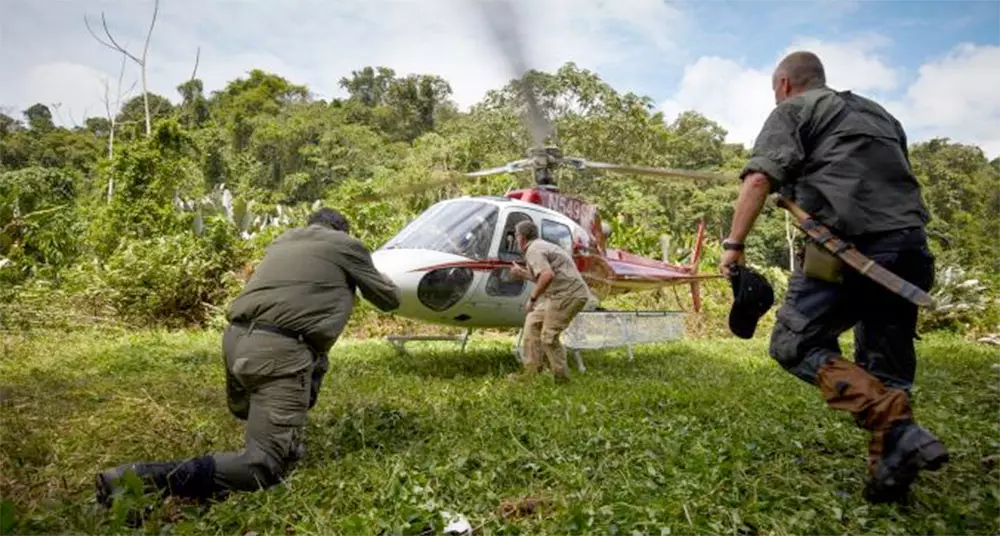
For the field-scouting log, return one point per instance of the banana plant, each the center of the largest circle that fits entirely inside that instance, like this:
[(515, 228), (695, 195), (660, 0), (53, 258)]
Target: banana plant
[(238, 211)]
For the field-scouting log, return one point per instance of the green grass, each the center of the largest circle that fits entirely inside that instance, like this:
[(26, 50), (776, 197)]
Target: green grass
[(696, 437)]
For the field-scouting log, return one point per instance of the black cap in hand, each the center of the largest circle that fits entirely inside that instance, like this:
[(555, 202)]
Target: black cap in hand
[(752, 297)]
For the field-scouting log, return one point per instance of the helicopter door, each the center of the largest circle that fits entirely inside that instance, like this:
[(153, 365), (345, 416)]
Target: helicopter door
[(500, 282)]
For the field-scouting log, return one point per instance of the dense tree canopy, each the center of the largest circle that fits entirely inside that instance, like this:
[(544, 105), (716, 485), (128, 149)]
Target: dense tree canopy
[(72, 212)]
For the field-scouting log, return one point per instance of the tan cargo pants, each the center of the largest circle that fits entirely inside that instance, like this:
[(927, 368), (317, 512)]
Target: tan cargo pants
[(542, 328)]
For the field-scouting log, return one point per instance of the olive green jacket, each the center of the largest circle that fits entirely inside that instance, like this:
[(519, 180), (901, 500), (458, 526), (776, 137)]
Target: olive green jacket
[(307, 282)]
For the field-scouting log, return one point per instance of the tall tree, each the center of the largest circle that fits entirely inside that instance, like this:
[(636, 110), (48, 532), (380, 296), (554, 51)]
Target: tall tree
[(39, 118), (369, 86)]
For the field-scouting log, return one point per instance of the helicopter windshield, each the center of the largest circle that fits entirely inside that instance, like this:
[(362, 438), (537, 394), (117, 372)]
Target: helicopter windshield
[(459, 227)]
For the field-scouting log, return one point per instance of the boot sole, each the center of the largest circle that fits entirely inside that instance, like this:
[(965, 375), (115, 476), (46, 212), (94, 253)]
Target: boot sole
[(103, 490), (893, 484)]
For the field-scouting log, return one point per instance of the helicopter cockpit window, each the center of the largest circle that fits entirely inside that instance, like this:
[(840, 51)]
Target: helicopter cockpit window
[(460, 227), (558, 234), (509, 250)]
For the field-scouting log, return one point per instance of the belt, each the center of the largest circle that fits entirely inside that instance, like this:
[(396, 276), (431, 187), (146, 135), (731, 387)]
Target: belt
[(291, 334)]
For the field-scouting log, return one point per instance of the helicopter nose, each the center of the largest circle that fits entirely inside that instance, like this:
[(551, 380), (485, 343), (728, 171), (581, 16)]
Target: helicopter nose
[(423, 289)]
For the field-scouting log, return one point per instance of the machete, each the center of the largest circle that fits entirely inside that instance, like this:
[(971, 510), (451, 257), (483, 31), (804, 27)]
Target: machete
[(847, 252)]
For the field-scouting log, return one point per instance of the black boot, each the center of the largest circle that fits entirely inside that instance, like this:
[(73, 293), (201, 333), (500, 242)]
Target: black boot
[(909, 449), (189, 479)]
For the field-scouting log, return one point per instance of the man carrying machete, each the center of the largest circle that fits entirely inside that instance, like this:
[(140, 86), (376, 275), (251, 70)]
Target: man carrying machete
[(844, 159)]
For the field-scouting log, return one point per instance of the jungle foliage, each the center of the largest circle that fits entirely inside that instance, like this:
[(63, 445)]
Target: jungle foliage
[(155, 230)]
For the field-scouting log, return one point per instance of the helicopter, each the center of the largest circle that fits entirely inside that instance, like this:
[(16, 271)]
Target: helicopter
[(452, 263)]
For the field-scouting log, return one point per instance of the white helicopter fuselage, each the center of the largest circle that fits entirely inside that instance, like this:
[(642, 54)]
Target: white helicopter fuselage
[(452, 262)]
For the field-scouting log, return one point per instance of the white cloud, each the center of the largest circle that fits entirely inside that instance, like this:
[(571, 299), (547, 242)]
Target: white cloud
[(853, 65), (316, 43), (725, 91), (739, 96), (957, 96), (72, 91)]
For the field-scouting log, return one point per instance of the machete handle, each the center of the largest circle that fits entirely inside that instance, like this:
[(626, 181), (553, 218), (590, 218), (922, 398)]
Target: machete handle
[(790, 206), (853, 258)]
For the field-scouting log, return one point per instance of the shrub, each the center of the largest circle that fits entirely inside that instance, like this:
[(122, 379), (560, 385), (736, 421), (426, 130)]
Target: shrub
[(171, 280), (38, 223)]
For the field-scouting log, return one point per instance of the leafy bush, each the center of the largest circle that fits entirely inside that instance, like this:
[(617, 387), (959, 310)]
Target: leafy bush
[(173, 280), (38, 223)]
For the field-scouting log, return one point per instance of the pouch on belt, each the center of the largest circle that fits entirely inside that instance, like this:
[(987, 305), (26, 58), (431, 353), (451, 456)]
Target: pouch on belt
[(820, 264)]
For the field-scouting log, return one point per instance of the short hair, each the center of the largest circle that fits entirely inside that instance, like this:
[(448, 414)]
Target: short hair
[(803, 69), (330, 218), (527, 229)]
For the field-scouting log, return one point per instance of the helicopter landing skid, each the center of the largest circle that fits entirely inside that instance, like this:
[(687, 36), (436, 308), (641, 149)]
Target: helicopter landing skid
[(399, 341)]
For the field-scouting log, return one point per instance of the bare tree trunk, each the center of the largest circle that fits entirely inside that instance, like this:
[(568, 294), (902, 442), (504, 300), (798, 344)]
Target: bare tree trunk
[(197, 57), (791, 243), (145, 49), (113, 118), (140, 62)]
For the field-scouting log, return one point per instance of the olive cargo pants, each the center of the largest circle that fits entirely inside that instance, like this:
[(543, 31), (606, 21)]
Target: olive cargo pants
[(542, 328), (270, 383)]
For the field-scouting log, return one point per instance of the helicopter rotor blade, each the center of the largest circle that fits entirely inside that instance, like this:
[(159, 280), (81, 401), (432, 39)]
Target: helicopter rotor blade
[(580, 163), (446, 178), (510, 167), (504, 25)]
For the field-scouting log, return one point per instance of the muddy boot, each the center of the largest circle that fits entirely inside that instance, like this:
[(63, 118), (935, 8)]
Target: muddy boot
[(894, 452), (909, 449), (189, 479)]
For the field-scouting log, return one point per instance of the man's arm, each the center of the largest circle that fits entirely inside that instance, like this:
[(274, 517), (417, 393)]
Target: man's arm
[(753, 194), (776, 159), (540, 266), (374, 286), (542, 284)]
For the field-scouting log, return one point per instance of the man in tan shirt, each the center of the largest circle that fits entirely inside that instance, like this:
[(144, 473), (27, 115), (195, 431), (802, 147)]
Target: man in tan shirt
[(560, 293)]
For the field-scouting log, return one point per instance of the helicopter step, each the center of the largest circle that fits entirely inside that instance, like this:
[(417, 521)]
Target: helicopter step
[(399, 341)]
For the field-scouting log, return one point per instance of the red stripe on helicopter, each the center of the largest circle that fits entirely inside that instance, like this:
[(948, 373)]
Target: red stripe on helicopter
[(619, 270), (487, 265)]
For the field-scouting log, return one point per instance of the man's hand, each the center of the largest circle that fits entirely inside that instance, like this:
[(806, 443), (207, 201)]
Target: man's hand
[(519, 272), (729, 258), (529, 306)]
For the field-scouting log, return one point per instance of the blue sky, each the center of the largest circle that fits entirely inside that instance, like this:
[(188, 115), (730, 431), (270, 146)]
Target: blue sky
[(936, 64)]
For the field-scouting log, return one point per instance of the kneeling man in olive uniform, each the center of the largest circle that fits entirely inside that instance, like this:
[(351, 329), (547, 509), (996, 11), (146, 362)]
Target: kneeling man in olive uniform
[(559, 295), (282, 326)]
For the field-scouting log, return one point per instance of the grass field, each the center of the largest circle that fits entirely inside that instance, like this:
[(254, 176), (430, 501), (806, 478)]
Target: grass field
[(696, 437)]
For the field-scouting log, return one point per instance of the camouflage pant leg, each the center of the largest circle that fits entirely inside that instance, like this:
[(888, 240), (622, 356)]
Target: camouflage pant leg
[(558, 316), (277, 374)]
